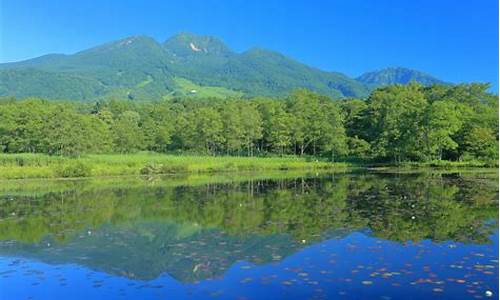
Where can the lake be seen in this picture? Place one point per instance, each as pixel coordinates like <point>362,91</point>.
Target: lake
<point>353,235</point>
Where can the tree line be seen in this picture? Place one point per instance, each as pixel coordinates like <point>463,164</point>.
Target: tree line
<point>395,123</point>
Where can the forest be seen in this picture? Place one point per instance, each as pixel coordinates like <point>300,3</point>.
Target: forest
<point>397,123</point>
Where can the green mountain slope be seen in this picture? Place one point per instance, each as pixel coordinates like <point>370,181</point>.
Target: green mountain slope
<point>140,68</point>
<point>257,71</point>
<point>118,68</point>
<point>35,82</point>
<point>398,75</point>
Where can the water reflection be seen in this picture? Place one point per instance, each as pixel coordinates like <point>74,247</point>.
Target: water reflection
<point>140,229</point>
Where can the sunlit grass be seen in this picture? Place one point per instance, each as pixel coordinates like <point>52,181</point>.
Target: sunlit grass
<point>14,166</point>
<point>18,166</point>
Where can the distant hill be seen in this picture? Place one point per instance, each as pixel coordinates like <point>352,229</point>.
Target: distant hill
<point>140,68</point>
<point>399,75</point>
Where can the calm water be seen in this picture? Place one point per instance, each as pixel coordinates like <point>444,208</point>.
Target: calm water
<point>335,236</point>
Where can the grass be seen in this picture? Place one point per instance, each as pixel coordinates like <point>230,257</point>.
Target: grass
<point>438,164</point>
<point>20,166</point>
<point>205,91</point>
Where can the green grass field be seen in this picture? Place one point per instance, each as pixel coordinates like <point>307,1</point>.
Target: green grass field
<point>188,88</point>
<point>21,166</point>
<point>17,166</point>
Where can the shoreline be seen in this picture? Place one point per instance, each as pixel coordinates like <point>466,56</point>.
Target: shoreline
<point>41,166</point>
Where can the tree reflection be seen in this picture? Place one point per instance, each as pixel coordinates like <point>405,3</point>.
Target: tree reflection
<point>199,231</point>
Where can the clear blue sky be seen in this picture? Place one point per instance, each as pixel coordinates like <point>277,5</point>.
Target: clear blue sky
<point>454,40</point>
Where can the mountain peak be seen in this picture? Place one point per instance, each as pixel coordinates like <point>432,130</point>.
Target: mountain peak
<point>187,43</point>
<point>137,42</point>
<point>397,75</point>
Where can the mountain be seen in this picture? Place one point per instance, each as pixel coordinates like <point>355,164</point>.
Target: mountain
<point>187,45</point>
<point>145,250</point>
<point>398,75</point>
<point>140,68</point>
<point>135,64</point>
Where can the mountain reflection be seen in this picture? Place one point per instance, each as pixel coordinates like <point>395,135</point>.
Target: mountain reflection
<point>140,228</point>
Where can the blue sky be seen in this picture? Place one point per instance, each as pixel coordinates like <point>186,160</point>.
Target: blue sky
<point>456,41</point>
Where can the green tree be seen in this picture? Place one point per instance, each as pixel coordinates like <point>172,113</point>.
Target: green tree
<point>251,122</point>
<point>442,122</point>
<point>279,130</point>
<point>96,135</point>
<point>127,133</point>
<point>308,122</point>
<point>481,142</point>
<point>233,130</point>
<point>396,116</point>
<point>333,138</point>
<point>358,148</point>
<point>209,129</point>
<point>22,124</point>
<point>354,115</point>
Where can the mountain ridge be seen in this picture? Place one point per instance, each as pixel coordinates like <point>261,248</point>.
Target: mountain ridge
<point>401,75</point>
<point>139,67</point>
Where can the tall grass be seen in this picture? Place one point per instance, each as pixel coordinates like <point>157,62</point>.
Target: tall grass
<point>17,166</point>
<point>14,166</point>
<point>445,164</point>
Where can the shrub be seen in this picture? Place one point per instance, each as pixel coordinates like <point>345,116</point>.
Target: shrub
<point>148,169</point>
<point>73,169</point>
<point>151,169</point>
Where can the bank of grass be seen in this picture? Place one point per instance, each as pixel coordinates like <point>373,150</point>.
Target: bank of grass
<point>18,166</point>
<point>437,164</point>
